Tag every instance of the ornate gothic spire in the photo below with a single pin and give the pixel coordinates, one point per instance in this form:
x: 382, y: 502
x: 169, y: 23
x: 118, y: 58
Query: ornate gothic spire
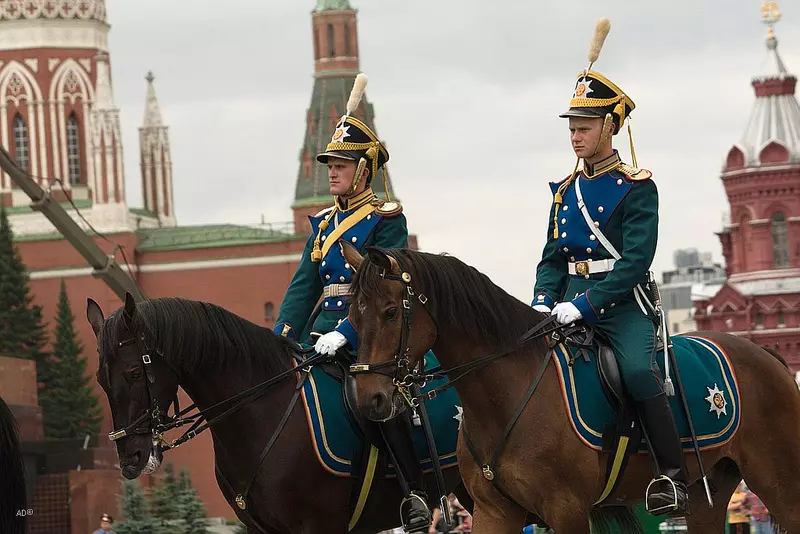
x: 152, y: 113
x: 109, y: 187
x: 156, y: 159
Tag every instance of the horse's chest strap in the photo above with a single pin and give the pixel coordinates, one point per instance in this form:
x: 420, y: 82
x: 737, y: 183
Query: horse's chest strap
x: 241, y: 498
x: 490, y: 470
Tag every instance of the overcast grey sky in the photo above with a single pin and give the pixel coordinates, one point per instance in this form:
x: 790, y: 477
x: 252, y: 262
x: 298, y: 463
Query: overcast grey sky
x: 467, y: 95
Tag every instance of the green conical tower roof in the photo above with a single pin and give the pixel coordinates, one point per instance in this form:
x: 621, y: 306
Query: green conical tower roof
x: 333, y: 5
x: 328, y: 102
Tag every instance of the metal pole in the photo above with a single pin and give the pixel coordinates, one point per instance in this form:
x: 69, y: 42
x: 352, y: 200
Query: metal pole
x: 105, y: 266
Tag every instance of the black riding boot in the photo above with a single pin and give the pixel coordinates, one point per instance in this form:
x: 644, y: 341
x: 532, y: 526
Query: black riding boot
x: 414, y: 511
x: 666, y: 494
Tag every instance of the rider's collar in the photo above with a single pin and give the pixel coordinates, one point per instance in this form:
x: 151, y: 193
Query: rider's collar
x: 608, y: 164
x: 356, y: 201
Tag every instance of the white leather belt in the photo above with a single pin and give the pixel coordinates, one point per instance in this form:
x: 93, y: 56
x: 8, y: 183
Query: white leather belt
x: 582, y: 268
x: 336, y: 290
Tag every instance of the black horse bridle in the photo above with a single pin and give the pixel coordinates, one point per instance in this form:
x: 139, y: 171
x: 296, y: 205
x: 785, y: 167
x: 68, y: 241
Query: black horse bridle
x: 158, y: 421
x: 398, y: 368
x: 404, y: 377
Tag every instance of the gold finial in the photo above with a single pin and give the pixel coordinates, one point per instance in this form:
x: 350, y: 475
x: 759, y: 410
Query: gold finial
x: 770, y: 14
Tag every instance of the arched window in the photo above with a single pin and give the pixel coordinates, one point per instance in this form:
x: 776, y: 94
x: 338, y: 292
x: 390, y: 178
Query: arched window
x: 316, y: 43
x: 21, y: 144
x: 781, y: 318
x: 269, y: 312
x: 780, y: 241
x: 346, y: 40
x: 73, y: 150
x: 331, y: 44
x: 759, y: 320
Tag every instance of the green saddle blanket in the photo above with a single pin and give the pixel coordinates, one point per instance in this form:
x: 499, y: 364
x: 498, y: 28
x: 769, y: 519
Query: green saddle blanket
x: 337, y: 441
x: 709, y: 382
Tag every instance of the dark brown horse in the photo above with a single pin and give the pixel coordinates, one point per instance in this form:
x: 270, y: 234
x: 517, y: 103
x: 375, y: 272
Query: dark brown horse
x: 213, y: 354
x: 461, y: 315
x: 13, y: 509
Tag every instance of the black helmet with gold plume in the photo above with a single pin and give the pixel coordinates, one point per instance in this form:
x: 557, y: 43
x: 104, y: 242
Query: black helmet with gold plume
x: 595, y: 96
x: 355, y: 141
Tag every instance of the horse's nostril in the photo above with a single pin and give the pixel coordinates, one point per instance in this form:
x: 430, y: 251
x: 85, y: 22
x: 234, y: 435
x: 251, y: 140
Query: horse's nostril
x: 379, y: 401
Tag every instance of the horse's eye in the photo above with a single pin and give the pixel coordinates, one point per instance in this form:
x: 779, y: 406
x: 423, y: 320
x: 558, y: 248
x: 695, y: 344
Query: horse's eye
x: 390, y: 314
x: 136, y: 374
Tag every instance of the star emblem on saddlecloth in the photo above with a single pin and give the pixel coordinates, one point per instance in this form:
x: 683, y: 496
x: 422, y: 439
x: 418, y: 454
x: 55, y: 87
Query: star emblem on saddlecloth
x: 716, y: 398
x: 459, y: 416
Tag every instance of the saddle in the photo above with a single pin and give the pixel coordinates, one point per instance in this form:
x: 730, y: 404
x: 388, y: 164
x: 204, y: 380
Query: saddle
x: 623, y: 438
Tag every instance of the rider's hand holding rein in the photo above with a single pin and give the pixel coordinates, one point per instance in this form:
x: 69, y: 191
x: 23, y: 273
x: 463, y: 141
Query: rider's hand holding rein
x: 567, y: 313
x: 330, y: 343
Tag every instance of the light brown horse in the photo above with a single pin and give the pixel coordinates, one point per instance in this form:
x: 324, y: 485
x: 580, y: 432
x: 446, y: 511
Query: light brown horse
x: 544, y: 468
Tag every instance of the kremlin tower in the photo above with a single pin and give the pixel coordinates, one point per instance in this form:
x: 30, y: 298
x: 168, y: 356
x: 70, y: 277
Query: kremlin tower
x: 761, y: 244
x: 59, y: 121
x: 336, y: 64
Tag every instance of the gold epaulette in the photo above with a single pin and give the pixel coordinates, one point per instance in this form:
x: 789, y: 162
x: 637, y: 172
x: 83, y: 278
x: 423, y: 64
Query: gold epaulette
x: 323, y: 212
x: 634, y: 174
x: 387, y: 208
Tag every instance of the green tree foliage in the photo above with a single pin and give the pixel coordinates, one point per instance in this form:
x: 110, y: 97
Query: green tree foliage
x: 136, y: 511
x: 71, y: 409
x: 22, y: 331
x: 172, y: 507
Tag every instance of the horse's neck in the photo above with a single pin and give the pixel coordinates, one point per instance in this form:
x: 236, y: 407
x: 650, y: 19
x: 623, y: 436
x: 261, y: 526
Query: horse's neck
x: 495, y: 389
x: 238, y: 431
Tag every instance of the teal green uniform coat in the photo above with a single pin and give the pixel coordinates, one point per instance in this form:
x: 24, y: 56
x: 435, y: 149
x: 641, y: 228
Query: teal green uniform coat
x: 299, y: 314
x: 623, y: 203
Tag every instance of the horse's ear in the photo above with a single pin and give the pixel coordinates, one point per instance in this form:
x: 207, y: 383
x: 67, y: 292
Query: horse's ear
x: 352, y: 256
x: 130, y: 307
x: 95, y: 316
x: 379, y: 258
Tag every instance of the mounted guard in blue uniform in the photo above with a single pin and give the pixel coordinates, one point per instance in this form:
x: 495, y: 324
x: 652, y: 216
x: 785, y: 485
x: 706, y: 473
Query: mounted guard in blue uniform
x: 601, y: 239
x: 354, y: 156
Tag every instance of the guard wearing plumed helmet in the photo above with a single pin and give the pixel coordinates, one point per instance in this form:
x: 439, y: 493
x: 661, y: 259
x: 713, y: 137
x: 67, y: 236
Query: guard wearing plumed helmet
x: 601, y: 239
x: 354, y: 158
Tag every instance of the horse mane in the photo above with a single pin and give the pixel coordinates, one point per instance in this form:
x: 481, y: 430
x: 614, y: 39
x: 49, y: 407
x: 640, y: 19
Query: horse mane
x: 207, y: 336
x: 458, y: 294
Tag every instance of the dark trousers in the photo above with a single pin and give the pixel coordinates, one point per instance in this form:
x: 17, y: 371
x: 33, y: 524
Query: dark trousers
x: 632, y: 334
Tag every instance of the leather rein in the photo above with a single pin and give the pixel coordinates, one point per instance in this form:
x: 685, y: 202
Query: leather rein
x: 403, y: 377
x: 160, y: 422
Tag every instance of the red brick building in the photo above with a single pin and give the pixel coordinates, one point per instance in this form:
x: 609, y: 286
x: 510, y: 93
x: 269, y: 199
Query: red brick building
x: 761, y: 243
x: 58, y: 119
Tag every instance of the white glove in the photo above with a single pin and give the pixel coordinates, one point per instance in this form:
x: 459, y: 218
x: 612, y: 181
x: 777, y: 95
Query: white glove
x: 330, y: 343
x: 566, y: 312
x: 542, y: 308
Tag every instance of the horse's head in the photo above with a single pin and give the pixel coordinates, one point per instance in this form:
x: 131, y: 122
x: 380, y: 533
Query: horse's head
x: 386, y: 302
x: 140, y: 386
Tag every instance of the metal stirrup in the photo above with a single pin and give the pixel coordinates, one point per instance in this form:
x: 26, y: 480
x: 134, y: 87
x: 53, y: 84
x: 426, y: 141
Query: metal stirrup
x: 669, y: 507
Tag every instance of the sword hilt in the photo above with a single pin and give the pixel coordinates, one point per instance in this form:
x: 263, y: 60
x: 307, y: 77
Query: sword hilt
x: 654, y: 291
